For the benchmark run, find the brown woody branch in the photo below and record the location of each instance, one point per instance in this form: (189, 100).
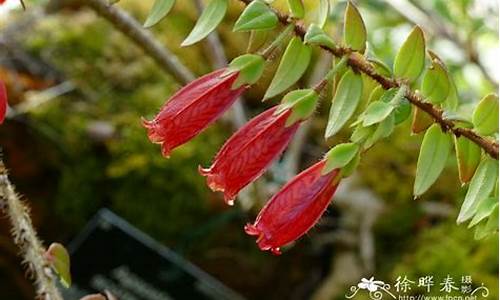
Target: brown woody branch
(359, 63)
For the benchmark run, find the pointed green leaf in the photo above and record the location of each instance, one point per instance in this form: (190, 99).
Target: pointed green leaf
(468, 157)
(207, 22)
(344, 102)
(258, 38)
(301, 102)
(256, 16)
(410, 59)
(339, 156)
(323, 11)
(296, 8)
(484, 210)
(451, 102)
(433, 155)
(490, 227)
(354, 29)
(59, 260)
(421, 121)
(317, 36)
(435, 85)
(481, 185)
(485, 117)
(250, 68)
(159, 10)
(376, 112)
(380, 67)
(376, 94)
(292, 66)
(382, 130)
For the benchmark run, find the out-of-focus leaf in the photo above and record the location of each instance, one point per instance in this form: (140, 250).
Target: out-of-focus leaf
(256, 16)
(435, 85)
(421, 121)
(481, 185)
(485, 117)
(59, 260)
(323, 11)
(258, 38)
(292, 66)
(410, 59)
(433, 155)
(207, 22)
(159, 10)
(376, 112)
(354, 29)
(484, 210)
(468, 158)
(317, 36)
(490, 227)
(296, 8)
(339, 156)
(344, 102)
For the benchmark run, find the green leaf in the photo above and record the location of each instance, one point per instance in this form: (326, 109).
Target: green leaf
(380, 67)
(433, 155)
(344, 102)
(58, 258)
(250, 67)
(301, 102)
(421, 121)
(296, 8)
(339, 156)
(361, 134)
(451, 102)
(468, 158)
(382, 130)
(256, 16)
(354, 29)
(435, 85)
(484, 210)
(159, 10)
(485, 116)
(402, 111)
(376, 94)
(410, 59)
(490, 227)
(402, 106)
(376, 112)
(317, 36)
(481, 185)
(258, 38)
(292, 66)
(207, 22)
(323, 11)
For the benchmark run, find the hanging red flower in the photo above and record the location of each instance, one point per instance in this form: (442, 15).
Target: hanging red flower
(247, 154)
(294, 209)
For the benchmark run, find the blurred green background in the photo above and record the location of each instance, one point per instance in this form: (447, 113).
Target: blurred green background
(74, 143)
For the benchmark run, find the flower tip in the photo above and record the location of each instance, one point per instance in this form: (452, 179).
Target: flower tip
(251, 229)
(146, 123)
(229, 201)
(165, 151)
(204, 171)
(276, 251)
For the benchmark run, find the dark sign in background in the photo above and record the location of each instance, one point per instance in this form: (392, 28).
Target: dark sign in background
(111, 254)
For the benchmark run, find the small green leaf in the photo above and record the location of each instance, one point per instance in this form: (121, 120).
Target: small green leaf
(301, 102)
(410, 59)
(58, 258)
(484, 210)
(433, 155)
(485, 116)
(361, 134)
(376, 112)
(481, 185)
(451, 102)
(380, 67)
(435, 85)
(256, 16)
(376, 94)
(468, 158)
(344, 102)
(250, 67)
(296, 8)
(339, 156)
(402, 106)
(292, 66)
(421, 121)
(323, 11)
(382, 130)
(354, 29)
(159, 10)
(317, 36)
(207, 22)
(402, 111)
(490, 227)
(348, 169)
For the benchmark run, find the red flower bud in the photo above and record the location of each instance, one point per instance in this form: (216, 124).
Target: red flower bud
(192, 109)
(247, 154)
(294, 209)
(3, 101)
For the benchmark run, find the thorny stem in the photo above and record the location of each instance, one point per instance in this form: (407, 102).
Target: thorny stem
(26, 239)
(359, 63)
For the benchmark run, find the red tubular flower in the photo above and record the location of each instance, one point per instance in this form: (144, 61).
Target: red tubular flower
(294, 209)
(192, 109)
(247, 154)
(3, 101)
